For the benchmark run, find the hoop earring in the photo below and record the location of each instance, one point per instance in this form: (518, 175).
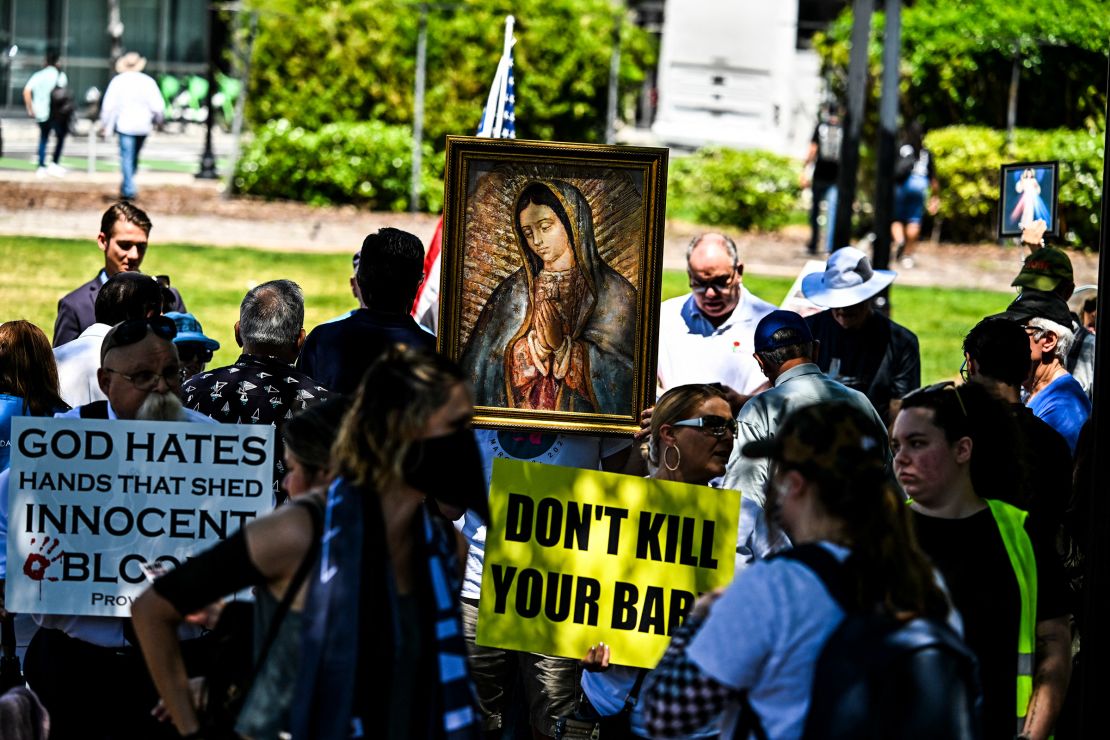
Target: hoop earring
(678, 458)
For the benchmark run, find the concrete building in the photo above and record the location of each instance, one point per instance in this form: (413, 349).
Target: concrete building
(740, 73)
(171, 34)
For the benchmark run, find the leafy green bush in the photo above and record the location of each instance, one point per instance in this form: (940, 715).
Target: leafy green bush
(368, 164)
(320, 61)
(726, 187)
(968, 161)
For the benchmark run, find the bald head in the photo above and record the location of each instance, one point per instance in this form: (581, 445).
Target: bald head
(713, 264)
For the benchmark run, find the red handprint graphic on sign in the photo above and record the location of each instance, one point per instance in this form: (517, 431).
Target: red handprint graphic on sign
(37, 562)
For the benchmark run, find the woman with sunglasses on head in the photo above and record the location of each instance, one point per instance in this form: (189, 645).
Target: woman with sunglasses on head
(692, 435)
(757, 645)
(953, 445)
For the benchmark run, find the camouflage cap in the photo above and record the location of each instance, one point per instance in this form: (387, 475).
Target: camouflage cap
(834, 440)
(1044, 270)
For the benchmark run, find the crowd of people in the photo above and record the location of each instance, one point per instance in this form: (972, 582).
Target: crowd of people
(864, 495)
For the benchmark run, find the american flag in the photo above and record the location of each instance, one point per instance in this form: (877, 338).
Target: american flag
(499, 116)
(498, 122)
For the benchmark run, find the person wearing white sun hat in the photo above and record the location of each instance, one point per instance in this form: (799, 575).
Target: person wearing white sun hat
(859, 346)
(132, 105)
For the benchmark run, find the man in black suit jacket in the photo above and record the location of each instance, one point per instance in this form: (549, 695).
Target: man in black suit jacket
(124, 229)
(391, 268)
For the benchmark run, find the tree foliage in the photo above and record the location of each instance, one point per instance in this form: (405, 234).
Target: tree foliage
(323, 61)
(724, 187)
(957, 61)
(969, 161)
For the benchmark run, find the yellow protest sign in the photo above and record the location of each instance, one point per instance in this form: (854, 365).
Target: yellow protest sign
(576, 557)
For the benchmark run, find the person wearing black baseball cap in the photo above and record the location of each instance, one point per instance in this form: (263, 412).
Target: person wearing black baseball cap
(1052, 393)
(1049, 269)
(785, 351)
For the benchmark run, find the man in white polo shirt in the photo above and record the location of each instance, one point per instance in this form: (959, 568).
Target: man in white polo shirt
(705, 336)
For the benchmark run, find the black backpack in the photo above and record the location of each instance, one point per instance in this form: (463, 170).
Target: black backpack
(878, 678)
(61, 104)
(903, 166)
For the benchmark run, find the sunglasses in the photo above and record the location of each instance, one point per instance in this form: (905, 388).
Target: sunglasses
(191, 351)
(715, 425)
(720, 284)
(131, 331)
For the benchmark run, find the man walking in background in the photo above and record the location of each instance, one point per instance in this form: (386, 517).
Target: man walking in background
(51, 112)
(132, 105)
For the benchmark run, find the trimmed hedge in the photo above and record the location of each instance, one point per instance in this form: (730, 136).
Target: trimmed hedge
(747, 190)
(366, 164)
(968, 162)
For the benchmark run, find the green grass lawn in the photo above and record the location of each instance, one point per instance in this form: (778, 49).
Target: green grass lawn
(214, 279)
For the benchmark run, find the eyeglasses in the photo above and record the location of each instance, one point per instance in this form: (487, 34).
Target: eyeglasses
(715, 425)
(135, 330)
(946, 385)
(1033, 330)
(720, 284)
(963, 370)
(191, 351)
(147, 380)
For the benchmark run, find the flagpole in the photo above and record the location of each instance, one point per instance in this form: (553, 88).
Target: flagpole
(418, 110)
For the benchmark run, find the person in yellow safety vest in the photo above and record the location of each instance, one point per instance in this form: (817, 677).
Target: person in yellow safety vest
(949, 441)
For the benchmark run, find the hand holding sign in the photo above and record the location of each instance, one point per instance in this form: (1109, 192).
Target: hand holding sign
(574, 555)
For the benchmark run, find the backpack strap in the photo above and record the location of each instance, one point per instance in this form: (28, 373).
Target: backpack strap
(95, 410)
(634, 692)
(315, 512)
(825, 566)
(748, 724)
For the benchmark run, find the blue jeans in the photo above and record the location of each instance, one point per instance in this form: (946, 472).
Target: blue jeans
(129, 148)
(822, 190)
(60, 130)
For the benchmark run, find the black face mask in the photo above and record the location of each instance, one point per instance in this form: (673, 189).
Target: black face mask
(449, 469)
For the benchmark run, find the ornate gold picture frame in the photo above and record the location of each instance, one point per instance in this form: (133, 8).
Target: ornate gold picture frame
(549, 294)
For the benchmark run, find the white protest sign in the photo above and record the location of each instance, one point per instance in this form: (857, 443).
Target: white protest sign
(90, 502)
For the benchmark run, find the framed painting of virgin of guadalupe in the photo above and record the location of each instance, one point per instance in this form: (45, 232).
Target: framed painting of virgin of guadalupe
(549, 290)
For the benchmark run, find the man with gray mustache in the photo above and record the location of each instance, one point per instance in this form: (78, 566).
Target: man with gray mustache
(88, 671)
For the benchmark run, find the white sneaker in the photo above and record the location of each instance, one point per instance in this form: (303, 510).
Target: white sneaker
(41, 172)
(909, 263)
(56, 169)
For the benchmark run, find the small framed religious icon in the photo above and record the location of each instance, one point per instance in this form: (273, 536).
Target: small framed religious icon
(1028, 192)
(549, 296)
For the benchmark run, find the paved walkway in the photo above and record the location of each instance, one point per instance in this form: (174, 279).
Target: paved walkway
(192, 211)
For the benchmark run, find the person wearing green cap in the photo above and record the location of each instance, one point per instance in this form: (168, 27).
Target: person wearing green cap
(1049, 270)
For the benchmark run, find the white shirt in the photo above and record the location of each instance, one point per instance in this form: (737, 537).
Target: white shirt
(102, 631)
(131, 104)
(691, 350)
(78, 362)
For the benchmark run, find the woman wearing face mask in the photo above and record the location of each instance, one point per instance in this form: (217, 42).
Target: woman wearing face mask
(268, 553)
(692, 434)
(829, 492)
(951, 446)
(383, 652)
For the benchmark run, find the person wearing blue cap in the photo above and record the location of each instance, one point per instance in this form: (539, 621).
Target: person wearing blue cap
(194, 349)
(785, 350)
